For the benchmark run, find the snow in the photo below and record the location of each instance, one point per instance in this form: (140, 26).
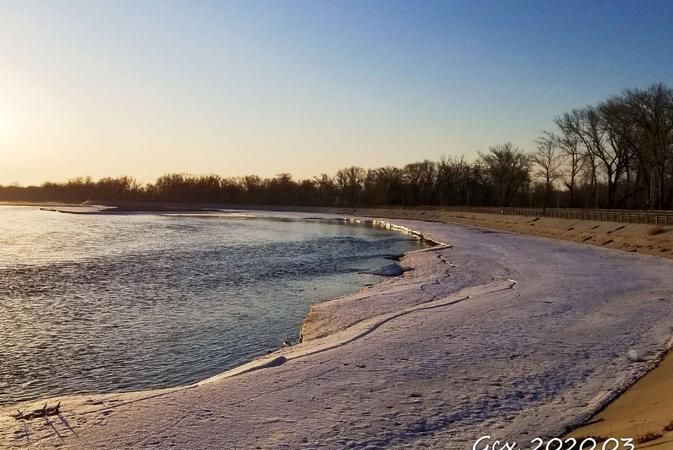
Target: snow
(492, 333)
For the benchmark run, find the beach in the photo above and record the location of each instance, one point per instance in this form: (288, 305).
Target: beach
(336, 225)
(491, 333)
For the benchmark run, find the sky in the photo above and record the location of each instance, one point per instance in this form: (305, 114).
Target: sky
(143, 88)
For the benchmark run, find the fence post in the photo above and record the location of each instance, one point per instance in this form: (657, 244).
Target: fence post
(663, 217)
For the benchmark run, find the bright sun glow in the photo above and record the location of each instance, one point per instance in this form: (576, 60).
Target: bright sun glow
(6, 122)
(11, 114)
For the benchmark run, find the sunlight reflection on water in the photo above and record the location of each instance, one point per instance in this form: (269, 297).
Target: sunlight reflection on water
(100, 303)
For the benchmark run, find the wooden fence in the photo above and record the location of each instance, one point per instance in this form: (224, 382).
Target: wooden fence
(603, 215)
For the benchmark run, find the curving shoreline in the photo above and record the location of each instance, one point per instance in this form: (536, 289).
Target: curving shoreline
(87, 404)
(443, 280)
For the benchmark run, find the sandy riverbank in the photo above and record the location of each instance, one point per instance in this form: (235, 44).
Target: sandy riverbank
(635, 238)
(500, 334)
(646, 408)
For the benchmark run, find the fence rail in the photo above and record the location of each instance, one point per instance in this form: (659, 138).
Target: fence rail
(603, 215)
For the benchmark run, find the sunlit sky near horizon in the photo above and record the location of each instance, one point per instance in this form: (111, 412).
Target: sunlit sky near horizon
(236, 87)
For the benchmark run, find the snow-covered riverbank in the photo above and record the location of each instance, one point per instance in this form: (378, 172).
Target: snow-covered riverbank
(501, 334)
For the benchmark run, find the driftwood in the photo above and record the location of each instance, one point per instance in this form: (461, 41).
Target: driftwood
(45, 411)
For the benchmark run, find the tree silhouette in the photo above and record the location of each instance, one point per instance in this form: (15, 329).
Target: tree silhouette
(618, 153)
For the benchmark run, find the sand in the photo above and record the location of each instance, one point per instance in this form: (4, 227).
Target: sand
(494, 333)
(646, 407)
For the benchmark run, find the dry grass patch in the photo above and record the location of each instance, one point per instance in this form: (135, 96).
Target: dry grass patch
(647, 437)
(657, 229)
(669, 427)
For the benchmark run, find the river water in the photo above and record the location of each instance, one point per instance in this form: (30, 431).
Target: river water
(101, 303)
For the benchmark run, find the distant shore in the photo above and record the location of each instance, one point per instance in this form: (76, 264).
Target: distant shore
(648, 239)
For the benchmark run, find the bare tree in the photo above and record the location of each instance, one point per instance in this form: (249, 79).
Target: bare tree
(350, 181)
(621, 149)
(420, 180)
(385, 186)
(548, 161)
(574, 128)
(453, 180)
(326, 189)
(509, 170)
(651, 112)
(571, 151)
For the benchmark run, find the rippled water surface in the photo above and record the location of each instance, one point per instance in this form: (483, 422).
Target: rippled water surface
(99, 303)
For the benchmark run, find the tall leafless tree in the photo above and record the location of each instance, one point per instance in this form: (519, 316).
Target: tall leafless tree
(508, 168)
(548, 161)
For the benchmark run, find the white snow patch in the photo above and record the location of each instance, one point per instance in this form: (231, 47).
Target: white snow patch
(501, 334)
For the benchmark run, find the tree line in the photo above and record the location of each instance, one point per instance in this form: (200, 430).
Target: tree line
(615, 154)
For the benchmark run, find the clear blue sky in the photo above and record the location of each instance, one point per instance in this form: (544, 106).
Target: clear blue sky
(142, 88)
